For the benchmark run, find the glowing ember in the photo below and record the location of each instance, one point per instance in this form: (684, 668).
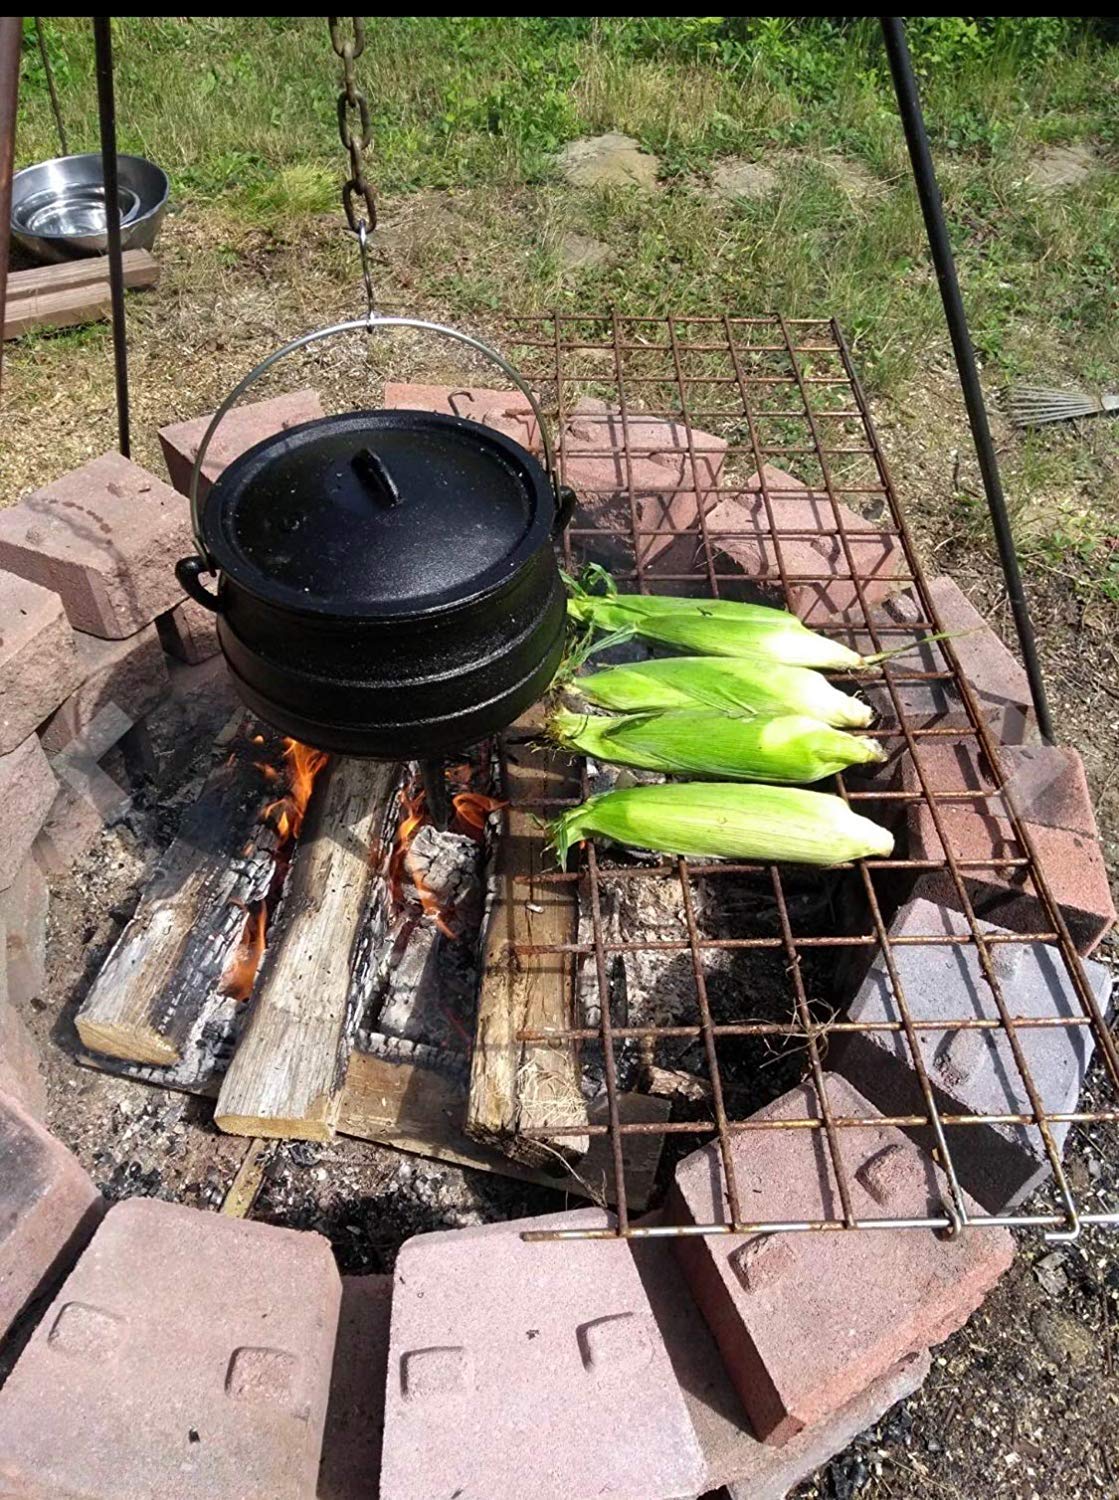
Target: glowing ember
(287, 813)
(240, 972)
(471, 810)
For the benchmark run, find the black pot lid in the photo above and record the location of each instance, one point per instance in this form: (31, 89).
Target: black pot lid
(378, 513)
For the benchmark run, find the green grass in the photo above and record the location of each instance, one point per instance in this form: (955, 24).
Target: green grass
(241, 112)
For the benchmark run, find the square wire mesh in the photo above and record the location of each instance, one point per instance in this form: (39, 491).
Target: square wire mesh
(784, 392)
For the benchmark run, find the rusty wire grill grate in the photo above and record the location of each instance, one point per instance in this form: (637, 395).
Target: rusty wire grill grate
(785, 390)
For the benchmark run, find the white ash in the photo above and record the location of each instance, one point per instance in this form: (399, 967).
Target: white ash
(418, 1054)
(646, 988)
(448, 866)
(426, 983)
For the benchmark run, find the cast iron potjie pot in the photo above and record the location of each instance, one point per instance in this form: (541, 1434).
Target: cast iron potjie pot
(387, 581)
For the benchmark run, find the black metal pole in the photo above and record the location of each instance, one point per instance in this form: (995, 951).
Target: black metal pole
(433, 773)
(106, 109)
(916, 137)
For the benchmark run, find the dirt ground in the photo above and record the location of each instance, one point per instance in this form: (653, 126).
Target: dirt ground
(1022, 1402)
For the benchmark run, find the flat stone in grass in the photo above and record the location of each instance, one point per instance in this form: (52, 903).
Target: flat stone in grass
(1060, 167)
(973, 1072)
(610, 160)
(187, 1355)
(578, 252)
(738, 178)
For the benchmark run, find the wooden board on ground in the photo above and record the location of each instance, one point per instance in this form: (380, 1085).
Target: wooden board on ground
(422, 1112)
(249, 1179)
(72, 293)
(517, 1085)
(159, 999)
(286, 1073)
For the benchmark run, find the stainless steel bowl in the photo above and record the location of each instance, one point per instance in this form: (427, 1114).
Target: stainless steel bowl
(58, 207)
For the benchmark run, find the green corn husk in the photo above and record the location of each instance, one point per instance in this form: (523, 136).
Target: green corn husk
(735, 686)
(614, 611)
(783, 748)
(720, 821)
(706, 630)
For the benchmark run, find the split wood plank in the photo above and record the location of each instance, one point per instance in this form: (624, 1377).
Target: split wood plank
(422, 1112)
(65, 295)
(516, 1085)
(249, 1179)
(288, 1069)
(159, 997)
(140, 269)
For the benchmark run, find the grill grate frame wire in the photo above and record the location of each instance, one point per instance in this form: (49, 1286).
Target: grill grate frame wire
(646, 368)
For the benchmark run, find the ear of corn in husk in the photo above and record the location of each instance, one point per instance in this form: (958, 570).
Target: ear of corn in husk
(718, 820)
(733, 685)
(781, 748)
(779, 637)
(713, 627)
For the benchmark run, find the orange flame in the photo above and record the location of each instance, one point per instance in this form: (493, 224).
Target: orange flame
(240, 972)
(472, 809)
(288, 811)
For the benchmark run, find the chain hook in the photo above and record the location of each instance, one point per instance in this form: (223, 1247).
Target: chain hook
(366, 272)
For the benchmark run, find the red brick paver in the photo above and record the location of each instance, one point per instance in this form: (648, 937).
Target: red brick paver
(241, 429)
(189, 632)
(121, 681)
(740, 527)
(733, 1455)
(27, 790)
(535, 1370)
(187, 1355)
(20, 1075)
(48, 1208)
(38, 660)
(106, 538)
(1048, 786)
(806, 1322)
(23, 910)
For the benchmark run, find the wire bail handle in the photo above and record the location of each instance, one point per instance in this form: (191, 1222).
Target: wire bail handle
(370, 324)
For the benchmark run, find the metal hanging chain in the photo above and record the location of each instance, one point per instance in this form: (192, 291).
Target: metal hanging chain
(49, 71)
(355, 132)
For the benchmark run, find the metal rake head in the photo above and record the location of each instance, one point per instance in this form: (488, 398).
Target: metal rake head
(1035, 405)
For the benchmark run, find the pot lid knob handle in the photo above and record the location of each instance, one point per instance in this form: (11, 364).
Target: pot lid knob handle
(374, 474)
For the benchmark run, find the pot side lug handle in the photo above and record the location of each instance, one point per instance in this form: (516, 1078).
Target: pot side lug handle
(188, 571)
(566, 500)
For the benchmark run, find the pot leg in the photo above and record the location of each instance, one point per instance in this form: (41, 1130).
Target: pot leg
(434, 778)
